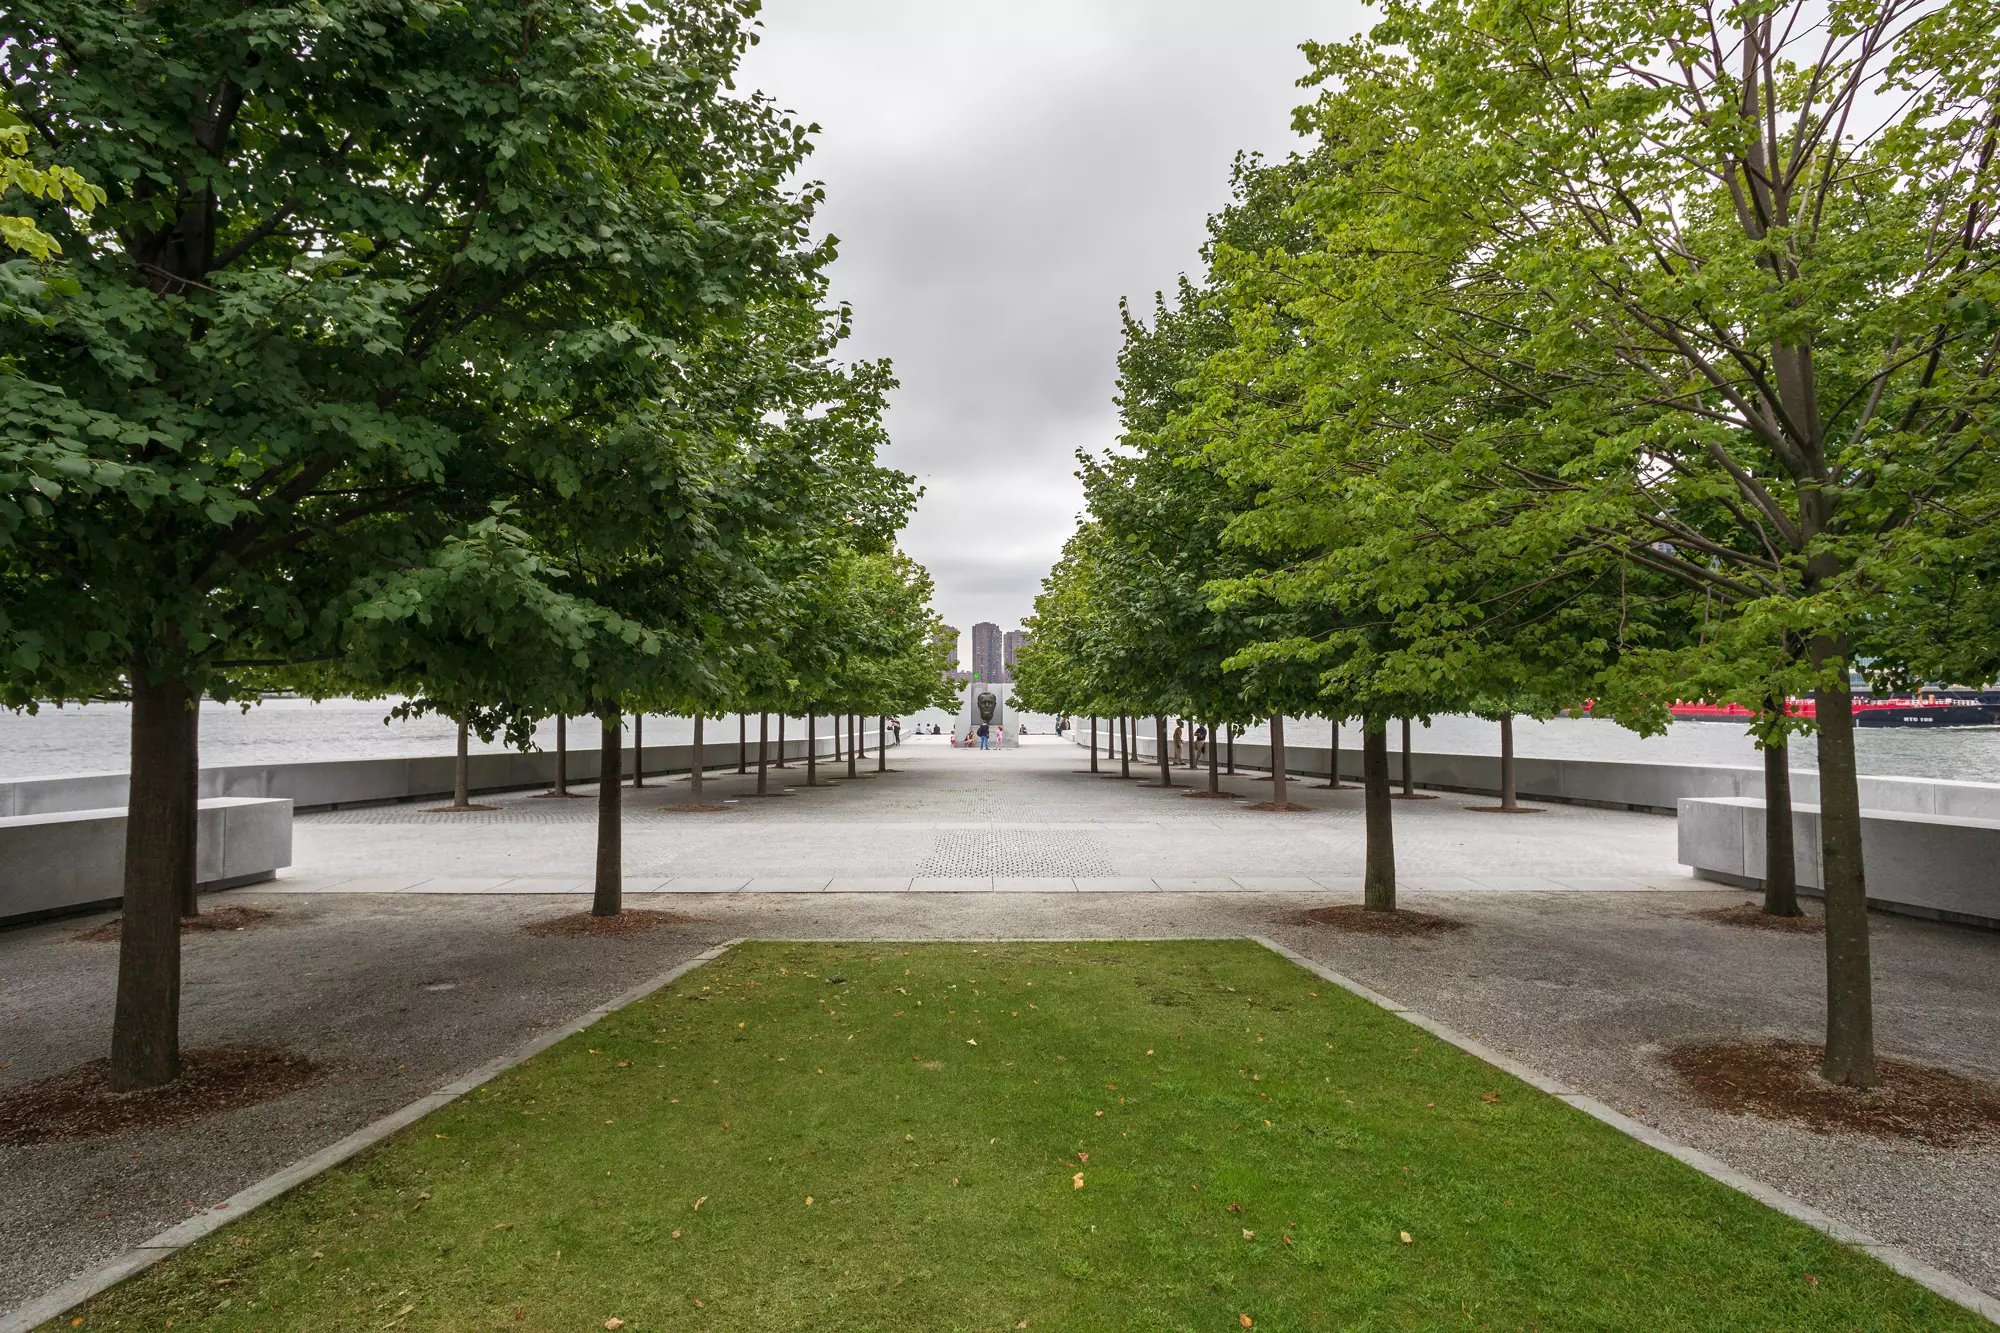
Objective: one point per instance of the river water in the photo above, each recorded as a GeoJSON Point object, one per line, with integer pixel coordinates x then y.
{"type": "Point", "coordinates": [94, 739]}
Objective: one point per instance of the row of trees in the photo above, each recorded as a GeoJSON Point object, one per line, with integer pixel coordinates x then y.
{"type": "Point", "coordinates": [476, 353]}
{"type": "Point", "coordinates": [1606, 354]}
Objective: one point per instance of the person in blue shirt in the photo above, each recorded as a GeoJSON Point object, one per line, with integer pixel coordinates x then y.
{"type": "Point", "coordinates": [983, 735]}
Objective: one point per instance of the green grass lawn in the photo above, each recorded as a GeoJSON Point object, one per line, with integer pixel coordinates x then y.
{"type": "Point", "coordinates": [844, 1137]}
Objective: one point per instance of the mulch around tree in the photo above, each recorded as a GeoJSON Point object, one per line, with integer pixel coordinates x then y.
{"type": "Point", "coordinates": [212, 921]}
{"type": "Point", "coordinates": [1412, 796]}
{"type": "Point", "coordinates": [1755, 917]}
{"type": "Point", "coordinates": [631, 921]}
{"type": "Point", "coordinates": [455, 809]}
{"type": "Point", "coordinates": [1505, 810]}
{"type": "Point", "coordinates": [1275, 805]}
{"type": "Point", "coordinates": [79, 1104]}
{"type": "Point", "coordinates": [701, 807]}
{"type": "Point", "coordinates": [1359, 920]}
{"type": "Point", "coordinates": [1780, 1080]}
{"type": "Point", "coordinates": [1210, 796]}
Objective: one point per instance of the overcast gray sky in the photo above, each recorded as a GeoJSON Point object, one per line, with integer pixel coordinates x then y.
{"type": "Point", "coordinates": [999, 175]}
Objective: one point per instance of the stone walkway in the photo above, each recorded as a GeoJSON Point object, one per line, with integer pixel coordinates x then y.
{"type": "Point", "coordinates": [962, 821]}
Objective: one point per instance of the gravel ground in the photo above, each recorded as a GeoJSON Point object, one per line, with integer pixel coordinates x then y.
{"type": "Point", "coordinates": [1584, 986]}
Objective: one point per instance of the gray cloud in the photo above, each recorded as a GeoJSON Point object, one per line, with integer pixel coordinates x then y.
{"type": "Point", "coordinates": [999, 176]}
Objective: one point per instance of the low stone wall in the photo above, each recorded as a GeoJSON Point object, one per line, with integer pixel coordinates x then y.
{"type": "Point", "coordinates": [328, 784]}
{"type": "Point", "coordinates": [1939, 866]}
{"type": "Point", "coordinates": [1613, 783]}
{"type": "Point", "coordinates": [74, 860]}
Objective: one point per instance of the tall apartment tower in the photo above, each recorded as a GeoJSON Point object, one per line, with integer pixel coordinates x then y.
{"type": "Point", "coordinates": [1010, 643]}
{"type": "Point", "coordinates": [987, 663]}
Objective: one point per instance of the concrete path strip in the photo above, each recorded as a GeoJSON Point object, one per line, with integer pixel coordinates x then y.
{"type": "Point", "coordinates": [24, 1318]}
{"type": "Point", "coordinates": [1943, 1284]}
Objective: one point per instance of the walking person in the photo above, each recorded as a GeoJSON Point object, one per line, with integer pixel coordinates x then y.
{"type": "Point", "coordinates": [1178, 754]}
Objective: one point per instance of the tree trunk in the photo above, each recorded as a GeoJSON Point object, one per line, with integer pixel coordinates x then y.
{"type": "Point", "coordinates": [638, 751]}
{"type": "Point", "coordinates": [779, 762]}
{"type": "Point", "coordinates": [882, 744]}
{"type": "Point", "coordinates": [610, 841]}
{"type": "Point", "coordinates": [695, 763]}
{"type": "Point", "coordinates": [461, 774]}
{"type": "Point", "coordinates": [1093, 742]}
{"type": "Point", "coordinates": [763, 757]}
{"type": "Point", "coordinates": [1378, 892]}
{"type": "Point", "coordinates": [1781, 882]}
{"type": "Point", "coordinates": [1214, 768]}
{"type": "Point", "coordinates": [1232, 749]}
{"type": "Point", "coordinates": [190, 884]}
{"type": "Point", "coordinates": [1850, 1007]}
{"type": "Point", "coordinates": [853, 742]}
{"type": "Point", "coordinates": [1507, 801]}
{"type": "Point", "coordinates": [837, 724]}
{"type": "Point", "coordinates": [1165, 757]}
{"type": "Point", "coordinates": [742, 742]}
{"type": "Point", "coordinates": [562, 755]}
{"type": "Point", "coordinates": [1279, 793]}
{"type": "Point", "coordinates": [1409, 782]}
{"type": "Point", "coordinates": [812, 751]}
{"type": "Point", "coordinates": [1333, 754]}
{"type": "Point", "coordinates": [1124, 745]}
{"type": "Point", "coordinates": [160, 816]}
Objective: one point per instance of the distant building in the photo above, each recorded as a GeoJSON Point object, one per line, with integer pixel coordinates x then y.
{"type": "Point", "coordinates": [987, 663]}
{"type": "Point", "coordinates": [1011, 642]}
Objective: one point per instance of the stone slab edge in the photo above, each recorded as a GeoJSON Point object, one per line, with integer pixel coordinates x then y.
{"type": "Point", "coordinates": [1955, 1290]}
{"type": "Point", "coordinates": [178, 1237]}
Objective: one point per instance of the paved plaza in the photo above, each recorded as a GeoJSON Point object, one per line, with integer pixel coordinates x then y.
{"type": "Point", "coordinates": [966, 820]}
{"type": "Point", "coordinates": [396, 961]}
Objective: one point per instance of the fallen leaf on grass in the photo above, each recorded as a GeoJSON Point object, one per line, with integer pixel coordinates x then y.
{"type": "Point", "coordinates": [503, 1226]}
{"type": "Point", "coordinates": [1083, 1157]}
{"type": "Point", "coordinates": [399, 1314]}
{"type": "Point", "coordinates": [1810, 1278]}
{"type": "Point", "coordinates": [1248, 1234]}
{"type": "Point", "coordinates": [809, 1200]}
{"type": "Point", "coordinates": [1235, 1207]}
{"type": "Point", "coordinates": [1406, 1237]}
{"type": "Point", "coordinates": [1490, 1097]}
{"type": "Point", "coordinates": [677, 1233]}
{"type": "Point", "coordinates": [614, 1322]}
{"type": "Point", "coordinates": [970, 1042]}
{"type": "Point", "coordinates": [1286, 1239]}
{"type": "Point", "coordinates": [698, 1305]}
{"type": "Point", "coordinates": [1243, 1319]}
{"type": "Point", "coordinates": [1076, 1181]}
{"type": "Point", "coordinates": [699, 1202]}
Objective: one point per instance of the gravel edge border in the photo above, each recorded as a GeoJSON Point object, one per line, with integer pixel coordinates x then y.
{"type": "Point", "coordinates": [1956, 1290]}
{"type": "Point", "coordinates": [49, 1305]}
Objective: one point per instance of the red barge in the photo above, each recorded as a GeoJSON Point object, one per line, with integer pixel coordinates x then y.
{"type": "Point", "coordinates": [1953, 706]}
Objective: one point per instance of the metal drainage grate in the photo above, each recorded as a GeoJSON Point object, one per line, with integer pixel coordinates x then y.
{"type": "Point", "coordinates": [1015, 852]}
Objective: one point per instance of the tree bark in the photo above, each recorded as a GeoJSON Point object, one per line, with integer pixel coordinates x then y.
{"type": "Point", "coordinates": [882, 743]}
{"type": "Point", "coordinates": [1409, 782]}
{"type": "Point", "coordinates": [742, 742]}
{"type": "Point", "coordinates": [1165, 757]}
{"type": "Point", "coordinates": [695, 763]}
{"type": "Point", "coordinates": [812, 751]}
{"type": "Point", "coordinates": [1214, 767]}
{"type": "Point", "coordinates": [160, 817]}
{"type": "Point", "coordinates": [1378, 891]}
{"type": "Point", "coordinates": [1093, 742]}
{"type": "Point", "coordinates": [461, 775]}
{"type": "Point", "coordinates": [1781, 882]}
{"type": "Point", "coordinates": [1124, 745]}
{"type": "Point", "coordinates": [1279, 792]}
{"type": "Point", "coordinates": [763, 758]}
{"type": "Point", "coordinates": [1507, 801]}
{"type": "Point", "coordinates": [609, 898]}
{"type": "Point", "coordinates": [853, 740]}
{"type": "Point", "coordinates": [1333, 754]}
{"type": "Point", "coordinates": [1850, 1006]}
{"type": "Point", "coordinates": [779, 762]}
{"type": "Point", "coordinates": [638, 751]}
{"type": "Point", "coordinates": [1232, 749]}
{"type": "Point", "coordinates": [562, 755]}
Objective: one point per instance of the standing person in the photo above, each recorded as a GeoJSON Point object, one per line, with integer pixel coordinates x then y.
{"type": "Point", "coordinates": [984, 733]}
{"type": "Point", "coordinates": [1178, 755]}
{"type": "Point", "coordinates": [1200, 743]}
{"type": "Point", "coordinates": [896, 726]}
